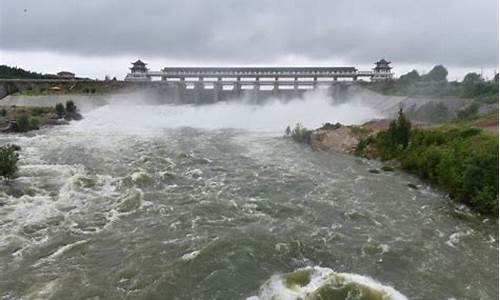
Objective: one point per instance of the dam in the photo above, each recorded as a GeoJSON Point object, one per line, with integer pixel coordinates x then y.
{"type": "Point", "coordinates": [292, 75]}
{"type": "Point", "coordinates": [204, 85]}
{"type": "Point", "coordinates": [258, 82]}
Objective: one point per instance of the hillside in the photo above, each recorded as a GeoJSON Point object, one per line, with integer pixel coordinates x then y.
{"type": "Point", "coordinates": [7, 72]}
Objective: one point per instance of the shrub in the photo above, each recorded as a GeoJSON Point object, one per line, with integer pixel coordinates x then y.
{"type": "Point", "coordinates": [3, 112]}
{"type": "Point", "coordinates": [388, 144]}
{"type": "Point", "coordinates": [60, 110]}
{"type": "Point", "coordinates": [22, 123]}
{"type": "Point", "coordinates": [468, 111]}
{"type": "Point", "coordinates": [468, 169]}
{"type": "Point", "coordinates": [399, 130]}
{"type": "Point", "coordinates": [70, 106]}
{"type": "Point", "coordinates": [36, 111]}
{"type": "Point", "coordinates": [364, 144]}
{"type": "Point", "coordinates": [25, 123]}
{"type": "Point", "coordinates": [462, 161]}
{"type": "Point", "coordinates": [8, 161]}
{"type": "Point", "coordinates": [330, 126]}
{"type": "Point", "coordinates": [301, 134]}
{"type": "Point", "coordinates": [34, 123]}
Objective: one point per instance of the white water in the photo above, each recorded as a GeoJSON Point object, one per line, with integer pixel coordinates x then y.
{"type": "Point", "coordinates": [134, 117]}
{"type": "Point", "coordinates": [275, 288]}
{"type": "Point", "coordinates": [136, 207]}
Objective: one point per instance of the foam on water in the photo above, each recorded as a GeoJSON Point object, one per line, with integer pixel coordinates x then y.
{"type": "Point", "coordinates": [133, 206]}
{"type": "Point", "coordinates": [314, 109]}
{"type": "Point", "coordinates": [312, 283]}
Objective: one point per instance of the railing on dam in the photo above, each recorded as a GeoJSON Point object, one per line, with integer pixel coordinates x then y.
{"type": "Point", "coordinates": [177, 91]}
{"type": "Point", "coordinates": [299, 72]}
{"type": "Point", "coordinates": [256, 73]}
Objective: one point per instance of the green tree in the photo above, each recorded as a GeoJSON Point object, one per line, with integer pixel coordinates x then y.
{"type": "Point", "coordinates": [410, 77]}
{"type": "Point", "coordinates": [60, 110]}
{"type": "Point", "coordinates": [472, 85]}
{"type": "Point", "coordinates": [299, 134]}
{"type": "Point", "coordinates": [34, 123]}
{"type": "Point", "coordinates": [8, 161]}
{"type": "Point", "coordinates": [22, 123]}
{"type": "Point", "coordinates": [438, 73]}
{"type": "Point", "coordinates": [70, 106]}
{"type": "Point", "coordinates": [471, 79]}
{"type": "Point", "coordinates": [400, 129]}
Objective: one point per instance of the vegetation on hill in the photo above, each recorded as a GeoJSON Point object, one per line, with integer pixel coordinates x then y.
{"type": "Point", "coordinates": [7, 72]}
{"type": "Point", "coordinates": [435, 84]}
{"type": "Point", "coordinates": [461, 159]}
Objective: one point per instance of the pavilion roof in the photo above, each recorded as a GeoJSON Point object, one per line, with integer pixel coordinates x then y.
{"type": "Point", "coordinates": [382, 62]}
{"type": "Point", "coordinates": [139, 62]}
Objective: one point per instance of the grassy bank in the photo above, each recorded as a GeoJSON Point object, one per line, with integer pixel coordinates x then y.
{"type": "Point", "coordinates": [459, 157]}
{"type": "Point", "coordinates": [26, 118]}
{"type": "Point", "coordinates": [73, 88]}
{"type": "Point", "coordinates": [23, 118]}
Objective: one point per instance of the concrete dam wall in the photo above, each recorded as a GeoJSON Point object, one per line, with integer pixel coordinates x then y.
{"type": "Point", "coordinates": [167, 92]}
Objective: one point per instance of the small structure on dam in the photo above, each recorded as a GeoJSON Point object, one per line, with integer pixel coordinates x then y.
{"type": "Point", "coordinates": [221, 81]}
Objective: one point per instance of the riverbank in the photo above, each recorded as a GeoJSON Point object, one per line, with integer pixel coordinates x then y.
{"type": "Point", "coordinates": [129, 192]}
{"type": "Point", "coordinates": [460, 157]}
{"type": "Point", "coordinates": [16, 118]}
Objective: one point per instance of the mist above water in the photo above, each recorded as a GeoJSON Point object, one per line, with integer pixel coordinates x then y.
{"type": "Point", "coordinates": [136, 115]}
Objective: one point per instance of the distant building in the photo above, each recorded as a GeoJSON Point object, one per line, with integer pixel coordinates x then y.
{"type": "Point", "coordinates": [66, 75]}
{"type": "Point", "coordinates": [138, 72]}
{"type": "Point", "coordinates": [382, 71]}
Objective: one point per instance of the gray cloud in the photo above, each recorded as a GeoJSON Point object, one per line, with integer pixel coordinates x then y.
{"type": "Point", "coordinates": [461, 33]}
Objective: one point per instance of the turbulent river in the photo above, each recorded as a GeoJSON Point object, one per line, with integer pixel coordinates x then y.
{"type": "Point", "coordinates": [210, 202]}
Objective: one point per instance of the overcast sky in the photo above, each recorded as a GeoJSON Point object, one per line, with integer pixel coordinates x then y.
{"type": "Point", "coordinates": [98, 37]}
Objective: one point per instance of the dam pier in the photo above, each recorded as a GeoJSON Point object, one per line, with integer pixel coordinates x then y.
{"type": "Point", "coordinates": [258, 82]}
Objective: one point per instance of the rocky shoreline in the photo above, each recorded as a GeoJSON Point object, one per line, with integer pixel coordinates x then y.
{"type": "Point", "coordinates": [345, 139]}
{"type": "Point", "coordinates": [461, 158]}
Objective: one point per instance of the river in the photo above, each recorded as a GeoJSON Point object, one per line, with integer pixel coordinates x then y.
{"type": "Point", "coordinates": [182, 202]}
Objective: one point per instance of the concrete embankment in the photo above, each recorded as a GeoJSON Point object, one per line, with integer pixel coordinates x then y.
{"type": "Point", "coordinates": [82, 101]}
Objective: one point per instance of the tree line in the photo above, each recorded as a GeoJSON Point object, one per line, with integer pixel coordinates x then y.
{"type": "Point", "coordinates": [435, 83]}
{"type": "Point", "coordinates": [7, 72]}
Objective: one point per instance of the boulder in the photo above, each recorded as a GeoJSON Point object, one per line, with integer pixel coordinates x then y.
{"type": "Point", "coordinates": [11, 127]}
{"type": "Point", "coordinates": [73, 116]}
{"type": "Point", "coordinates": [341, 139]}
